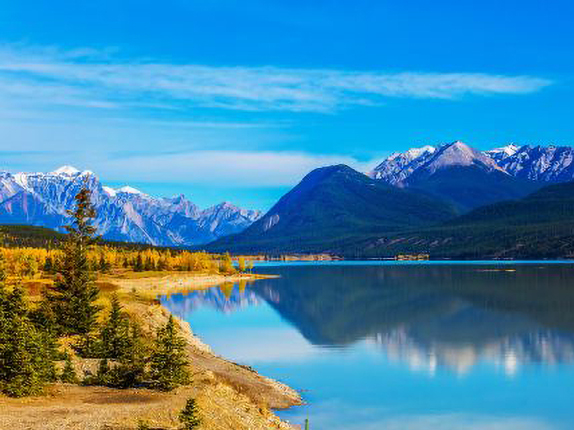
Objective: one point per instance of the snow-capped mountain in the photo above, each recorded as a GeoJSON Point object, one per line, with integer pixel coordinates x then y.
{"type": "Point", "coordinates": [498, 154]}
{"type": "Point", "coordinates": [537, 163]}
{"type": "Point", "coordinates": [540, 163]}
{"type": "Point", "coordinates": [399, 166]}
{"type": "Point", "coordinates": [124, 214]}
{"type": "Point", "coordinates": [456, 173]}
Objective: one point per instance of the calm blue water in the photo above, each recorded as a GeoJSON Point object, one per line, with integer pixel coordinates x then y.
{"type": "Point", "coordinates": [404, 346]}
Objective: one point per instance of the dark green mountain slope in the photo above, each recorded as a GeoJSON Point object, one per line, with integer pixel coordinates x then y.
{"type": "Point", "coordinates": [333, 206]}
{"type": "Point", "coordinates": [467, 178]}
{"type": "Point", "coordinates": [19, 235]}
{"type": "Point", "coordinates": [469, 187]}
{"type": "Point", "coordinates": [540, 225]}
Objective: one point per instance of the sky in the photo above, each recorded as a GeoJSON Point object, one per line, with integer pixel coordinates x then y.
{"type": "Point", "coordinates": [237, 100]}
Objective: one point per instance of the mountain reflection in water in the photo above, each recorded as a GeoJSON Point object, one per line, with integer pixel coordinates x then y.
{"type": "Point", "coordinates": [428, 317]}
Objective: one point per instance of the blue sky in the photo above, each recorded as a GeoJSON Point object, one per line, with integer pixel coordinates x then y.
{"type": "Point", "coordinates": [229, 100]}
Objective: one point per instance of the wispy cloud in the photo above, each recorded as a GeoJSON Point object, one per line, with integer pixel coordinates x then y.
{"type": "Point", "coordinates": [231, 169]}
{"type": "Point", "coordinates": [88, 78]}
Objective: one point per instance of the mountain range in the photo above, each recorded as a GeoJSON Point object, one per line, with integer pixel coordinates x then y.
{"type": "Point", "coordinates": [124, 214]}
{"type": "Point", "coordinates": [450, 200]}
{"type": "Point", "coordinates": [332, 206]}
{"type": "Point", "coordinates": [462, 190]}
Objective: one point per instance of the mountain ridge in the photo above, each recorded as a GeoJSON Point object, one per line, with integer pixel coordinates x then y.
{"type": "Point", "coordinates": [124, 214]}
{"type": "Point", "coordinates": [331, 205]}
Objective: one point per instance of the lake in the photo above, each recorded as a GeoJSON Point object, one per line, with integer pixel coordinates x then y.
{"type": "Point", "coordinates": [401, 345]}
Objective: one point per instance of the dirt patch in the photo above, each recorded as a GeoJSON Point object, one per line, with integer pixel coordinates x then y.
{"type": "Point", "coordinates": [121, 398]}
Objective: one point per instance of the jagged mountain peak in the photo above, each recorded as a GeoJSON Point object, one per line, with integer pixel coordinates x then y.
{"type": "Point", "coordinates": [507, 150]}
{"type": "Point", "coordinates": [124, 214]}
{"type": "Point", "coordinates": [66, 170]}
{"type": "Point", "coordinates": [413, 153]}
{"type": "Point", "coordinates": [399, 165]}
{"type": "Point", "coordinates": [129, 190]}
{"type": "Point", "coordinates": [459, 154]}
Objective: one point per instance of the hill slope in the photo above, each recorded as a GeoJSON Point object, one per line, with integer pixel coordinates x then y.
{"type": "Point", "coordinates": [333, 206]}
{"type": "Point", "coordinates": [540, 225]}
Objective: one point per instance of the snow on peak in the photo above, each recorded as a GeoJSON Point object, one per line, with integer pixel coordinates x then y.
{"type": "Point", "coordinates": [109, 191]}
{"type": "Point", "coordinates": [66, 170]}
{"type": "Point", "coordinates": [399, 165]}
{"type": "Point", "coordinates": [507, 150]}
{"type": "Point", "coordinates": [412, 153]}
{"type": "Point", "coordinates": [128, 190]}
{"type": "Point", "coordinates": [459, 154]}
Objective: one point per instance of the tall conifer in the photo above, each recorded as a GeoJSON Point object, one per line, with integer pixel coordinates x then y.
{"type": "Point", "coordinates": [73, 295]}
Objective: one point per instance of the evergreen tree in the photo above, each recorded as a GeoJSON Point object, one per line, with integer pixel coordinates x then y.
{"type": "Point", "coordinates": [131, 369]}
{"type": "Point", "coordinates": [103, 374]}
{"type": "Point", "coordinates": [114, 335]}
{"type": "Point", "coordinates": [103, 266]}
{"type": "Point", "coordinates": [73, 295]}
{"type": "Point", "coordinates": [139, 266]}
{"type": "Point", "coordinates": [68, 375]}
{"type": "Point", "coordinates": [26, 353]}
{"type": "Point", "coordinates": [149, 264]}
{"type": "Point", "coordinates": [168, 362]}
{"type": "Point", "coordinates": [48, 265]}
{"type": "Point", "coordinates": [189, 416]}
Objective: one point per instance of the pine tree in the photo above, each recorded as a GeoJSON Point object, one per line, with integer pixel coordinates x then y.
{"type": "Point", "coordinates": [139, 266]}
{"type": "Point", "coordinates": [103, 374]}
{"type": "Point", "coordinates": [168, 368]}
{"type": "Point", "coordinates": [68, 375]}
{"type": "Point", "coordinates": [73, 295]}
{"type": "Point", "coordinates": [131, 370]}
{"type": "Point", "coordinates": [115, 331]}
{"type": "Point", "coordinates": [189, 416]}
{"type": "Point", "coordinates": [26, 353]}
{"type": "Point", "coordinates": [103, 265]}
{"type": "Point", "coordinates": [48, 265]}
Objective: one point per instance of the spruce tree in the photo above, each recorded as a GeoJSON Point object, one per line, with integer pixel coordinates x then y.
{"type": "Point", "coordinates": [168, 362]}
{"type": "Point", "coordinates": [114, 335]}
{"type": "Point", "coordinates": [131, 368]}
{"type": "Point", "coordinates": [48, 265]}
{"type": "Point", "coordinates": [189, 416]}
{"type": "Point", "coordinates": [26, 353]}
{"type": "Point", "coordinates": [68, 375]}
{"type": "Point", "coordinates": [139, 266]}
{"type": "Point", "coordinates": [73, 295]}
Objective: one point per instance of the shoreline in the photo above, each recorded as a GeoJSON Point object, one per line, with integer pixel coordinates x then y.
{"type": "Point", "coordinates": [230, 395]}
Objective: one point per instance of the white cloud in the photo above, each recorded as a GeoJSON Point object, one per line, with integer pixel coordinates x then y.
{"type": "Point", "coordinates": [225, 168]}
{"type": "Point", "coordinates": [84, 78]}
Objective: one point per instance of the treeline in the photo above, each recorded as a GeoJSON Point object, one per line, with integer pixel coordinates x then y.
{"type": "Point", "coordinates": [28, 262]}
{"type": "Point", "coordinates": [66, 323]}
